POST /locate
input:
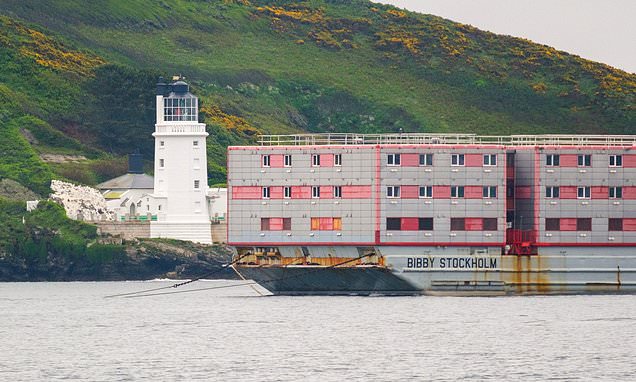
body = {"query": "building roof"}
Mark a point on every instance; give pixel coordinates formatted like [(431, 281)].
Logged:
[(129, 181)]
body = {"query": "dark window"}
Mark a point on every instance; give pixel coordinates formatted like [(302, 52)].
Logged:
[(552, 160), (264, 224), (287, 224), (615, 192), (266, 160), (616, 160), (458, 224), (393, 224), (615, 224), (288, 160), (337, 160), (315, 160), (457, 191), (425, 224), (457, 159), (490, 224), (585, 160), (426, 159), (552, 224), (584, 224), (393, 159)]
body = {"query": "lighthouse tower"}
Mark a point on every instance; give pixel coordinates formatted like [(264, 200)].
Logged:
[(180, 166)]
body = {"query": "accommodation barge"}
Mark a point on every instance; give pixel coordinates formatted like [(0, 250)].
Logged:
[(435, 213)]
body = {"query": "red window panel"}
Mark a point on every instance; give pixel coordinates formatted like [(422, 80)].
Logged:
[(326, 192), (326, 160), (567, 192), (523, 192), (629, 224), (441, 192), (629, 160), (325, 224), (600, 192), (629, 192), (474, 224), (276, 160), (301, 192), (568, 160), (275, 224), (276, 192), (410, 224), (410, 192), (246, 192), (410, 160), (568, 224), (473, 192), (356, 192), (474, 160)]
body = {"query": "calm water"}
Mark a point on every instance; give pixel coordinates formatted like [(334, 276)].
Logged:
[(52, 331)]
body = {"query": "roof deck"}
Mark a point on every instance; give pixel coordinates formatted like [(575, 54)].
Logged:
[(447, 139)]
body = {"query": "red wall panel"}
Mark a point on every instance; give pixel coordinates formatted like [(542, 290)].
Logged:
[(629, 224), (246, 192), (275, 224), (301, 192), (276, 192), (629, 192), (568, 160), (568, 224), (410, 160), (441, 192), (356, 192), (409, 224), (567, 192), (473, 192), (410, 192), (326, 160), (474, 224), (326, 192), (600, 192), (629, 160), (473, 160), (276, 160)]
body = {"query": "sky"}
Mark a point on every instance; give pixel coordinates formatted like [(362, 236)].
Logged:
[(599, 30)]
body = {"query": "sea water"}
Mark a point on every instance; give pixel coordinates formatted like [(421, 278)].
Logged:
[(69, 331)]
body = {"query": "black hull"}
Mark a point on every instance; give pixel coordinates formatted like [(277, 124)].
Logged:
[(311, 280)]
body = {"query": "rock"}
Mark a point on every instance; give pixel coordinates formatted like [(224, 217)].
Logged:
[(81, 202)]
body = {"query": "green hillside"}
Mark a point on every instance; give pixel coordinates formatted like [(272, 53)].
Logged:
[(77, 79)]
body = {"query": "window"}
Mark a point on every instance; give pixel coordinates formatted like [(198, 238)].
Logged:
[(287, 161), (161, 163), (584, 224), (337, 192), (287, 192), (264, 224), (326, 224), (552, 192), (393, 191), (162, 143), (458, 224), (196, 183), (315, 191), (426, 191), (265, 192), (616, 161), (614, 224), (552, 160), (583, 192), (266, 160), (315, 160), (337, 160), (489, 224), (195, 143), (457, 159), (615, 192), (179, 109), (393, 224), (426, 159), (425, 224), (489, 192), (584, 160), (490, 159), (159, 207), (337, 224), (457, 191), (393, 160), (287, 224), (552, 224)]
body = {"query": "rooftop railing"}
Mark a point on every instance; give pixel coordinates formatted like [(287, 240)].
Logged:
[(446, 139)]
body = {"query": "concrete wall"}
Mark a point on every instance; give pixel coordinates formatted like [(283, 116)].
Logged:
[(126, 230)]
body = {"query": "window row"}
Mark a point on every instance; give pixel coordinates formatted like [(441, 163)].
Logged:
[(584, 192), (582, 160), (336, 192), (180, 109), (585, 224), (427, 224), (427, 159), (487, 192), (316, 224), (270, 160)]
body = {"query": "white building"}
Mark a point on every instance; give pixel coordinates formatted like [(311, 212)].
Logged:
[(180, 181)]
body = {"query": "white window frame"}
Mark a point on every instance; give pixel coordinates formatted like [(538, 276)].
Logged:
[(428, 192), (616, 158), (287, 160), (266, 160), (337, 192), (458, 160), (315, 192), (393, 160), (426, 156), (614, 191), (337, 160), (456, 190), (550, 160), (489, 191), (550, 192), (583, 192), (265, 192), (393, 192), (490, 160), (287, 192), (581, 159), (315, 160)]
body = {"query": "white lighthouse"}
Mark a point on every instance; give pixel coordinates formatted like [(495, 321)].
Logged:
[(180, 182)]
